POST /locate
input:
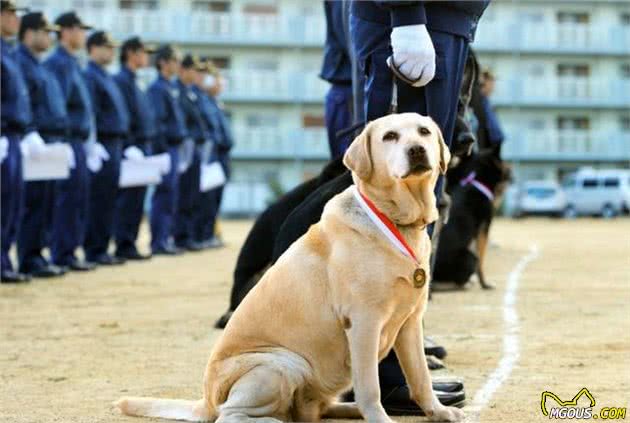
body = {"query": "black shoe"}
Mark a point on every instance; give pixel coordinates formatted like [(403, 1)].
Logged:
[(447, 385), (191, 246), (434, 363), (107, 260), (167, 251), (397, 402), (9, 276), (77, 265), (431, 348), (44, 271), (132, 255)]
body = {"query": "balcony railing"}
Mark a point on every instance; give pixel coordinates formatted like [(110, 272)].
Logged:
[(277, 143), (567, 145), (186, 27), (274, 86), (563, 91), (517, 36)]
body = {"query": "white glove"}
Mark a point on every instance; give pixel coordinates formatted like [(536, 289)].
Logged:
[(95, 156), (414, 55), (133, 153), (4, 148), (32, 145)]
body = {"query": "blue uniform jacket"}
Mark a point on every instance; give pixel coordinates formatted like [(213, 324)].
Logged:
[(16, 113), (65, 67), (50, 117), (110, 109), (209, 114), (196, 124), (336, 68), (226, 141), (170, 122), (452, 16), (142, 126)]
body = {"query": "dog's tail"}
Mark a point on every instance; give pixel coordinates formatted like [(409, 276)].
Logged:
[(190, 411)]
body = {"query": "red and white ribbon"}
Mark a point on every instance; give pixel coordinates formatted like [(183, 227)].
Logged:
[(385, 225), (470, 180)]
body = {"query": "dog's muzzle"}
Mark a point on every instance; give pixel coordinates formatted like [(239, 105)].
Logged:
[(418, 160)]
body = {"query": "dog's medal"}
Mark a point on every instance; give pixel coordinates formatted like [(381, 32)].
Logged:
[(393, 235), (419, 277)]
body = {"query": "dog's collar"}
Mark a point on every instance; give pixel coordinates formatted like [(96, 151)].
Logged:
[(481, 187), (385, 225)]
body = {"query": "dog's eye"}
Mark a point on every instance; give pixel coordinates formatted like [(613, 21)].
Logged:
[(424, 131), (390, 136)]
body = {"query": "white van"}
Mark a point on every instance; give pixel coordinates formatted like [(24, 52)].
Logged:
[(603, 192)]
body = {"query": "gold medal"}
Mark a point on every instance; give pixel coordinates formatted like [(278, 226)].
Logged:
[(419, 278)]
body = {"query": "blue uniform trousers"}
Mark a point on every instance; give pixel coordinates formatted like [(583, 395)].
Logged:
[(438, 99), (12, 198), (187, 200), (35, 230), (103, 191), (338, 114), (164, 204), (129, 212), (70, 211)]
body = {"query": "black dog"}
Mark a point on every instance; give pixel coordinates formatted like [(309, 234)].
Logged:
[(473, 186), (256, 254)]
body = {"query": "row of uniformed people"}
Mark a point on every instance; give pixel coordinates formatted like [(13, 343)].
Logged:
[(103, 118)]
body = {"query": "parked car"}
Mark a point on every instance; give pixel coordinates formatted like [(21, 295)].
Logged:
[(603, 192), (540, 198)]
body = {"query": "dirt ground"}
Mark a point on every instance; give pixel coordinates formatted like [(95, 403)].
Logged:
[(71, 346)]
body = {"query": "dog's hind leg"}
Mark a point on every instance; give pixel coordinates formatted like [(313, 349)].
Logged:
[(262, 395), (482, 246)]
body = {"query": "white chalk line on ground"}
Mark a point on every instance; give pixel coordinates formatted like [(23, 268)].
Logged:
[(511, 345)]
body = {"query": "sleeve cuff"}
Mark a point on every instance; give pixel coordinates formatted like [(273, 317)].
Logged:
[(408, 15)]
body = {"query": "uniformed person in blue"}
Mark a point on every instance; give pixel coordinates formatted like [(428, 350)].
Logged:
[(171, 132), (203, 224), (428, 42), (337, 69), (220, 153), (71, 196), (189, 181), (134, 55), (111, 118), (50, 120), (16, 117)]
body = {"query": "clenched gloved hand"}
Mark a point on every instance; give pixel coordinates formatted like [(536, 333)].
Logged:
[(414, 54)]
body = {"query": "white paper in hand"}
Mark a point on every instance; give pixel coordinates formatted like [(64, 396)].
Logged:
[(212, 176)]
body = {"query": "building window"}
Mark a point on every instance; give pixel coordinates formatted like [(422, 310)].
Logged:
[(625, 18), (564, 69), (580, 123), (139, 4), (624, 123), (624, 69), (313, 121), (220, 62), (261, 8), (211, 6), (573, 17), (258, 120)]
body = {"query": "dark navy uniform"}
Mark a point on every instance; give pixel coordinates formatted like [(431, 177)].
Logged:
[(171, 131), (451, 26), (71, 195), (16, 117), (112, 127), (337, 69), (189, 180), (142, 131), (203, 226), (50, 120), (220, 153)]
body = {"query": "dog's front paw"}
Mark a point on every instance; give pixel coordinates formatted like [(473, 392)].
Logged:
[(447, 414)]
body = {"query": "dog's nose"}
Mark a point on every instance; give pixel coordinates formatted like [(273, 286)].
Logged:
[(417, 154)]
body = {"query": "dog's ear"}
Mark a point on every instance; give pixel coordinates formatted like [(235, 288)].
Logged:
[(358, 157), (445, 153)]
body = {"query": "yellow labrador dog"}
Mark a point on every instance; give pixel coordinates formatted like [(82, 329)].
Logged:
[(336, 302)]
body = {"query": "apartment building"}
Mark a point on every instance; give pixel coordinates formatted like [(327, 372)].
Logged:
[(563, 93)]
